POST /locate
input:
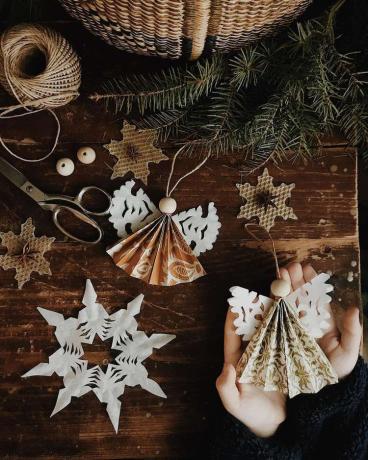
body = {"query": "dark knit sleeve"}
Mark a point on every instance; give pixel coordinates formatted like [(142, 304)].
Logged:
[(332, 424), (232, 440), (335, 420)]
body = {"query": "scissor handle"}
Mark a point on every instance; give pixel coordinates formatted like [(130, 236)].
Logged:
[(92, 188), (79, 215)]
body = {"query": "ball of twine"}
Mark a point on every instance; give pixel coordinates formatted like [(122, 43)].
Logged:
[(38, 66), (40, 69)]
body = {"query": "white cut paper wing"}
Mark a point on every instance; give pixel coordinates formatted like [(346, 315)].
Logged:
[(135, 346), (199, 231), (129, 211), (311, 301), (250, 308)]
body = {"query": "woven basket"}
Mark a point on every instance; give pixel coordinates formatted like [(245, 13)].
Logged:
[(173, 28)]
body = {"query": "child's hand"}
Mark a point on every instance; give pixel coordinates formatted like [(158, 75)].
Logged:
[(261, 411), (341, 348)]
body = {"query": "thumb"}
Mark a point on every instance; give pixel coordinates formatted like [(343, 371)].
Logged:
[(226, 387), (351, 333)]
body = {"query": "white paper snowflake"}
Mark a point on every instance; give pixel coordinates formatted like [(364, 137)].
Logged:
[(127, 370), (311, 302), (132, 211)]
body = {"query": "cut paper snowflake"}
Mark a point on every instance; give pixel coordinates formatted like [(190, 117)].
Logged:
[(25, 253), (132, 211), (135, 152), (127, 369), (265, 201), (311, 301)]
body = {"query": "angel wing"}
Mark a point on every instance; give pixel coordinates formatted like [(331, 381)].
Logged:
[(311, 302), (129, 211), (199, 230), (250, 308)]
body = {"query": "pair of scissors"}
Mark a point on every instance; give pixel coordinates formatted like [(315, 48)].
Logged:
[(58, 203)]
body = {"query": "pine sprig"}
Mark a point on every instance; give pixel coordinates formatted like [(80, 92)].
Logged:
[(167, 90)]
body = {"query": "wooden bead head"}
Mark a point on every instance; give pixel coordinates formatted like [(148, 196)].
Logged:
[(167, 205), (280, 288)]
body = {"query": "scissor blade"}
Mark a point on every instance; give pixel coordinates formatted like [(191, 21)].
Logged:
[(12, 174), (20, 181)]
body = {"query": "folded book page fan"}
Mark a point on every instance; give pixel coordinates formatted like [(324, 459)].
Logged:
[(282, 354), (127, 370), (158, 246)]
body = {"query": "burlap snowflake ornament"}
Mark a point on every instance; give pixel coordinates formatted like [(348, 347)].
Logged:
[(266, 201), (25, 253), (135, 152)]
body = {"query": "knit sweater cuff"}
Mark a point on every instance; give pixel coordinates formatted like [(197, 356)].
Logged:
[(235, 439)]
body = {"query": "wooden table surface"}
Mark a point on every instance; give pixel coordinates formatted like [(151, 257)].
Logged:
[(324, 199)]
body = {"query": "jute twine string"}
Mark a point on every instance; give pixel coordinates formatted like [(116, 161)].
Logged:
[(53, 84), (170, 191), (277, 266)]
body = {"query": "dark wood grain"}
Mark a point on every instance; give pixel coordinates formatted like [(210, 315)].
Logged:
[(325, 201)]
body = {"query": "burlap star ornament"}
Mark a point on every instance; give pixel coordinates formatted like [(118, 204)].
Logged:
[(135, 152), (266, 201), (25, 253)]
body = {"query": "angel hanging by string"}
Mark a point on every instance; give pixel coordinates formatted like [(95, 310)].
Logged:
[(157, 245), (282, 354)]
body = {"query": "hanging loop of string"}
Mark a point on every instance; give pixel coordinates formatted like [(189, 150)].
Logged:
[(170, 191), (51, 86), (277, 267)]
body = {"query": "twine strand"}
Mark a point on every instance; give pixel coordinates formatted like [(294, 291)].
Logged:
[(277, 267), (199, 165), (55, 85)]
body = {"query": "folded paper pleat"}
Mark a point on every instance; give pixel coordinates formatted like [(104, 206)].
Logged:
[(282, 356), (157, 254)]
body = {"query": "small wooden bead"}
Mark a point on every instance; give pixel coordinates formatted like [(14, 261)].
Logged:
[(65, 167), (167, 205), (280, 288), (86, 155)]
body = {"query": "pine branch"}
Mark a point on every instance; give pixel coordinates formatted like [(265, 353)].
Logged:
[(323, 90), (166, 124), (170, 89), (249, 65), (353, 122), (264, 101)]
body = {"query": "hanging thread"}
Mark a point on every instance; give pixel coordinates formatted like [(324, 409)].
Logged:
[(41, 70), (170, 191), (277, 267)]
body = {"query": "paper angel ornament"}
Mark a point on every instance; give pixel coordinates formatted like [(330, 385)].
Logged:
[(158, 246), (126, 370), (282, 354)]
